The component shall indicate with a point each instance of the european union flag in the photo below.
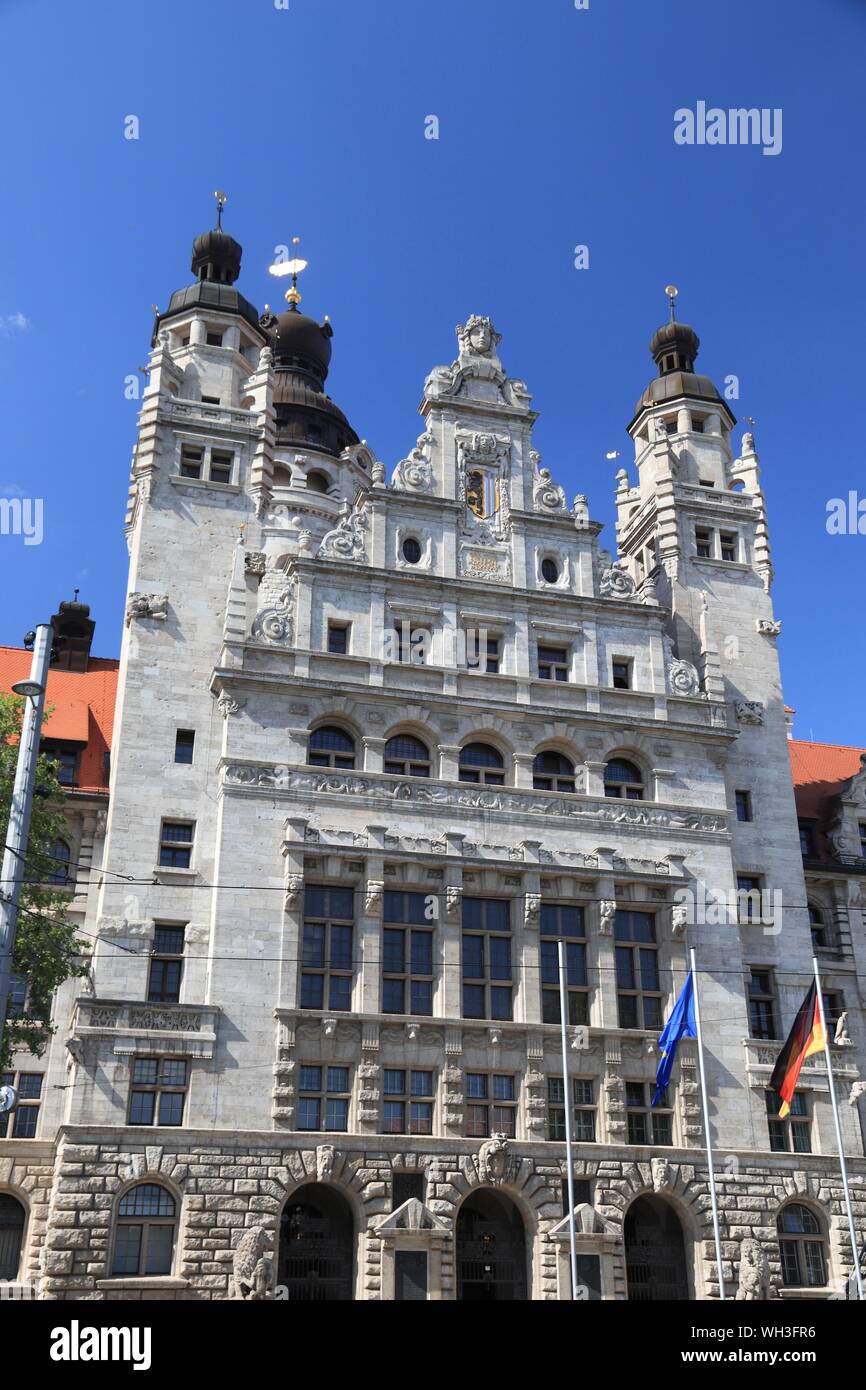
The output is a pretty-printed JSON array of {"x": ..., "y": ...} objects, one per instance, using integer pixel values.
[{"x": 681, "y": 1024}]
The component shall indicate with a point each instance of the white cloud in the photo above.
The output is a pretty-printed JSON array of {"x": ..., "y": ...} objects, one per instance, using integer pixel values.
[{"x": 13, "y": 323}]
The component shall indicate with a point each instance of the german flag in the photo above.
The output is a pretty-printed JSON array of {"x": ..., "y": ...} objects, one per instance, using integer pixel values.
[{"x": 805, "y": 1038}]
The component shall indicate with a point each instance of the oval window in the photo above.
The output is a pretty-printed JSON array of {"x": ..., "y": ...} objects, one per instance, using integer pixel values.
[
  {"x": 549, "y": 570},
  {"x": 411, "y": 550}
]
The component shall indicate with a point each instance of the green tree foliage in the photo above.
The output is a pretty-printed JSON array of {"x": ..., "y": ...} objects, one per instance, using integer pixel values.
[{"x": 47, "y": 951}]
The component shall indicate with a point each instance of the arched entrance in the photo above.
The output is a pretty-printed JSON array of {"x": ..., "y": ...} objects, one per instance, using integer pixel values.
[
  {"x": 491, "y": 1249},
  {"x": 12, "y": 1221},
  {"x": 655, "y": 1253},
  {"x": 317, "y": 1246}
]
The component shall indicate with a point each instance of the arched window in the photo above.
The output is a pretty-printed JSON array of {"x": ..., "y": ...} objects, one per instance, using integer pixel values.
[
  {"x": 331, "y": 746},
  {"x": 406, "y": 756},
  {"x": 146, "y": 1225},
  {"x": 623, "y": 779},
  {"x": 802, "y": 1247},
  {"x": 818, "y": 928},
  {"x": 552, "y": 772},
  {"x": 481, "y": 763},
  {"x": 12, "y": 1219},
  {"x": 318, "y": 482},
  {"x": 60, "y": 864}
]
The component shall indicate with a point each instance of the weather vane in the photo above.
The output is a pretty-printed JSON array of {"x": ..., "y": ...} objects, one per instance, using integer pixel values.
[
  {"x": 291, "y": 267},
  {"x": 671, "y": 291},
  {"x": 221, "y": 200}
]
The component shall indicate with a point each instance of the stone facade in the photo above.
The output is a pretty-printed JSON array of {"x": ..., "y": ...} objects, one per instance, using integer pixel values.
[{"x": 264, "y": 595}]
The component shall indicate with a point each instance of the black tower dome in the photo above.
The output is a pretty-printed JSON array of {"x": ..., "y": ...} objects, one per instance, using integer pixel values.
[
  {"x": 216, "y": 262},
  {"x": 302, "y": 356}
]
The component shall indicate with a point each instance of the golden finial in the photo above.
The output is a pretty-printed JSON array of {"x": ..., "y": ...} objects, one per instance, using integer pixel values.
[{"x": 293, "y": 267}]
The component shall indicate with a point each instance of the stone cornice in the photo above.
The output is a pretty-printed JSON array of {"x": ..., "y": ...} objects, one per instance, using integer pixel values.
[{"x": 250, "y": 777}]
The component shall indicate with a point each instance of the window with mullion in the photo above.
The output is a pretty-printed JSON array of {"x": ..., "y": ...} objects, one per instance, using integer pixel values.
[
  {"x": 407, "y": 954},
  {"x": 323, "y": 1098},
  {"x": 157, "y": 1093},
  {"x": 407, "y": 1102},
  {"x": 487, "y": 959},
  {"x": 762, "y": 1022},
  {"x": 645, "y": 1124},
  {"x": 802, "y": 1248},
  {"x": 793, "y": 1134},
  {"x": 563, "y": 920},
  {"x": 176, "y": 841},
  {"x": 491, "y": 1105},
  {"x": 327, "y": 967},
  {"x": 166, "y": 966},
  {"x": 583, "y": 1109},
  {"x": 639, "y": 996}
]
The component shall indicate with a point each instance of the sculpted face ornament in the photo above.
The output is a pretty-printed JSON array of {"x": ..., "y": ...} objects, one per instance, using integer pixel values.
[{"x": 478, "y": 336}]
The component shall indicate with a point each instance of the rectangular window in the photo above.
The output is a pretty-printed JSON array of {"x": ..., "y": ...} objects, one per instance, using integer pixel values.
[
  {"x": 621, "y": 674},
  {"x": 184, "y": 743},
  {"x": 483, "y": 653},
  {"x": 744, "y": 805},
  {"x": 166, "y": 965},
  {"x": 807, "y": 838},
  {"x": 647, "y": 1125},
  {"x": 698, "y": 428},
  {"x": 65, "y": 757},
  {"x": 491, "y": 1105},
  {"x": 323, "y": 1098},
  {"x": 22, "y": 1122},
  {"x": 564, "y": 920},
  {"x": 728, "y": 545},
  {"x": 175, "y": 844},
  {"x": 214, "y": 339},
  {"x": 210, "y": 400},
  {"x": 793, "y": 1134},
  {"x": 487, "y": 977},
  {"x": 703, "y": 542},
  {"x": 834, "y": 1007},
  {"x": 863, "y": 839},
  {"x": 405, "y": 1185},
  {"x": 748, "y": 898},
  {"x": 553, "y": 663},
  {"x": 191, "y": 460},
  {"x": 407, "y": 1102},
  {"x": 762, "y": 1010},
  {"x": 338, "y": 639},
  {"x": 17, "y": 995},
  {"x": 407, "y": 954},
  {"x": 221, "y": 465},
  {"x": 326, "y": 961},
  {"x": 583, "y": 1110},
  {"x": 158, "y": 1091},
  {"x": 637, "y": 971},
  {"x": 582, "y": 1193}
]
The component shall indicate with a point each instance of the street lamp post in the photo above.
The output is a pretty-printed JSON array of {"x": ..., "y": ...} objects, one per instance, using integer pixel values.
[{"x": 21, "y": 805}]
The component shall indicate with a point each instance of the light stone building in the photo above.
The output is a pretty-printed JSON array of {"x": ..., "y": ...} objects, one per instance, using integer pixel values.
[{"x": 378, "y": 745}]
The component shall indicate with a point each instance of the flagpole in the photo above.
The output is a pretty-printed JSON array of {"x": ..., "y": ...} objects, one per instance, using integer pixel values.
[
  {"x": 851, "y": 1228},
  {"x": 563, "y": 1014},
  {"x": 707, "y": 1136}
]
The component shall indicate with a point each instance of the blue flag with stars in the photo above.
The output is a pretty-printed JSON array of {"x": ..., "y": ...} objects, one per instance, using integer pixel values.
[{"x": 681, "y": 1024}]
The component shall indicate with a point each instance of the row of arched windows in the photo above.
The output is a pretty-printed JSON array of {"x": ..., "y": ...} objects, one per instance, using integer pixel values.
[
  {"x": 481, "y": 763},
  {"x": 145, "y": 1238}
]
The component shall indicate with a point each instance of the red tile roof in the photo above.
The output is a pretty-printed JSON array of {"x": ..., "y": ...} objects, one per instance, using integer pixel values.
[
  {"x": 82, "y": 709},
  {"x": 819, "y": 772}
]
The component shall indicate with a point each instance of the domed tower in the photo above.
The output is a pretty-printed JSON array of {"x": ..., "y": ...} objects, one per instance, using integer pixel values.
[
  {"x": 216, "y": 264},
  {"x": 306, "y": 417}
]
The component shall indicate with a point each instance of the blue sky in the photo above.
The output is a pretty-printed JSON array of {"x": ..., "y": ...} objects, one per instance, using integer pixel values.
[{"x": 556, "y": 129}]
